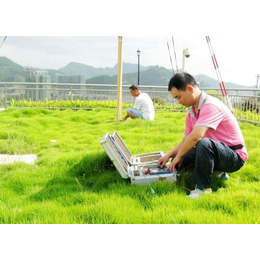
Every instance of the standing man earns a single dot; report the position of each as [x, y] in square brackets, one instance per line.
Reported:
[143, 106]
[212, 138]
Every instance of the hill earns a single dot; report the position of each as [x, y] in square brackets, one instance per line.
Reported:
[11, 71]
[149, 75]
[87, 71]
[154, 76]
[208, 82]
[157, 76]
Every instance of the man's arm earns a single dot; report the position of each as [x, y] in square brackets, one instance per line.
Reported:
[188, 143]
[163, 160]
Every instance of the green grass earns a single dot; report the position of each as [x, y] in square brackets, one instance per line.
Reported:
[73, 181]
[84, 104]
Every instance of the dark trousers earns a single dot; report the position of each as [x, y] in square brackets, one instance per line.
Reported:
[209, 155]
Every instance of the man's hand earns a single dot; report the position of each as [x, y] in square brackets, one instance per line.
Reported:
[176, 161]
[163, 160]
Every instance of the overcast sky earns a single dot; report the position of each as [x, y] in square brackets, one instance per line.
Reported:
[238, 57]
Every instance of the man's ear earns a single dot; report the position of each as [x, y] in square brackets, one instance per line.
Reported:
[190, 88]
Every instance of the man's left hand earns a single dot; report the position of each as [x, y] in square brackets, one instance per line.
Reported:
[175, 161]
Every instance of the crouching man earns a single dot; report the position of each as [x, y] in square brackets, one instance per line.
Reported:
[212, 138]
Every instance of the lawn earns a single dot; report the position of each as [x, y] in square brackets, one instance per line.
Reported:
[73, 181]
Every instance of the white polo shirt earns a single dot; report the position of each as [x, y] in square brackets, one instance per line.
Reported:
[144, 104]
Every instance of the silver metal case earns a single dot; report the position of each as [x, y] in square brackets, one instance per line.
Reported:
[141, 169]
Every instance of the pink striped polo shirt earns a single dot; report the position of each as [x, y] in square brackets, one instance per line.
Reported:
[223, 126]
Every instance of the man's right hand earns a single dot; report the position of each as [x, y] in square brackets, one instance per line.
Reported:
[163, 160]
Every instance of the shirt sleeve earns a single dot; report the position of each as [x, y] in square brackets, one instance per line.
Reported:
[188, 125]
[210, 116]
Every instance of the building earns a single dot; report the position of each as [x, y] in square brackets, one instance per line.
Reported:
[39, 92]
[75, 79]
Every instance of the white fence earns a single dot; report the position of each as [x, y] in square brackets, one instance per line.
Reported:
[245, 101]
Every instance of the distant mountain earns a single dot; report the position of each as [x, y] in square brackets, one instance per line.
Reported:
[150, 75]
[11, 71]
[153, 76]
[157, 76]
[208, 82]
[74, 68]
[104, 79]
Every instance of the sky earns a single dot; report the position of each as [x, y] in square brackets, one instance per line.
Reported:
[238, 57]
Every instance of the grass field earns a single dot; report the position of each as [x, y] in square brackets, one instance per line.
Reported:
[73, 181]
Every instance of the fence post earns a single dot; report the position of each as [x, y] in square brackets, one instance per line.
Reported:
[71, 95]
[5, 96]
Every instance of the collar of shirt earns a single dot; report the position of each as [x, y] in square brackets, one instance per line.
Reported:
[202, 100]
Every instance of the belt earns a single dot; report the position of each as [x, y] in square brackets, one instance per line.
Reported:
[236, 147]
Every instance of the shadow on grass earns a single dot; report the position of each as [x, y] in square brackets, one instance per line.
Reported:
[95, 173]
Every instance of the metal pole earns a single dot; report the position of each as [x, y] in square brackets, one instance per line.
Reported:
[175, 54]
[170, 55]
[119, 78]
[3, 42]
[138, 70]
[185, 54]
[221, 83]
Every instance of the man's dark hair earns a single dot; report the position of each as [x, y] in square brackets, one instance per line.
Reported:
[134, 87]
[181, 80]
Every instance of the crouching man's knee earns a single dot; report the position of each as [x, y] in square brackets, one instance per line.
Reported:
[204, 143]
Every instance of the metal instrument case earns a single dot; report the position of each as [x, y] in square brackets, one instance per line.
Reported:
[135, 167]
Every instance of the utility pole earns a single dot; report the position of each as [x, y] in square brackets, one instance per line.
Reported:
[185, 54]
[138, 77]
[119, 78]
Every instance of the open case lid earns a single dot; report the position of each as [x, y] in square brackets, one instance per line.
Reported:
[135, 159]
[122, 146]
[115, 155]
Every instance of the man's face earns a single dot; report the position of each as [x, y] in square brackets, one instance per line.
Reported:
[184, 98]
[134, 93]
